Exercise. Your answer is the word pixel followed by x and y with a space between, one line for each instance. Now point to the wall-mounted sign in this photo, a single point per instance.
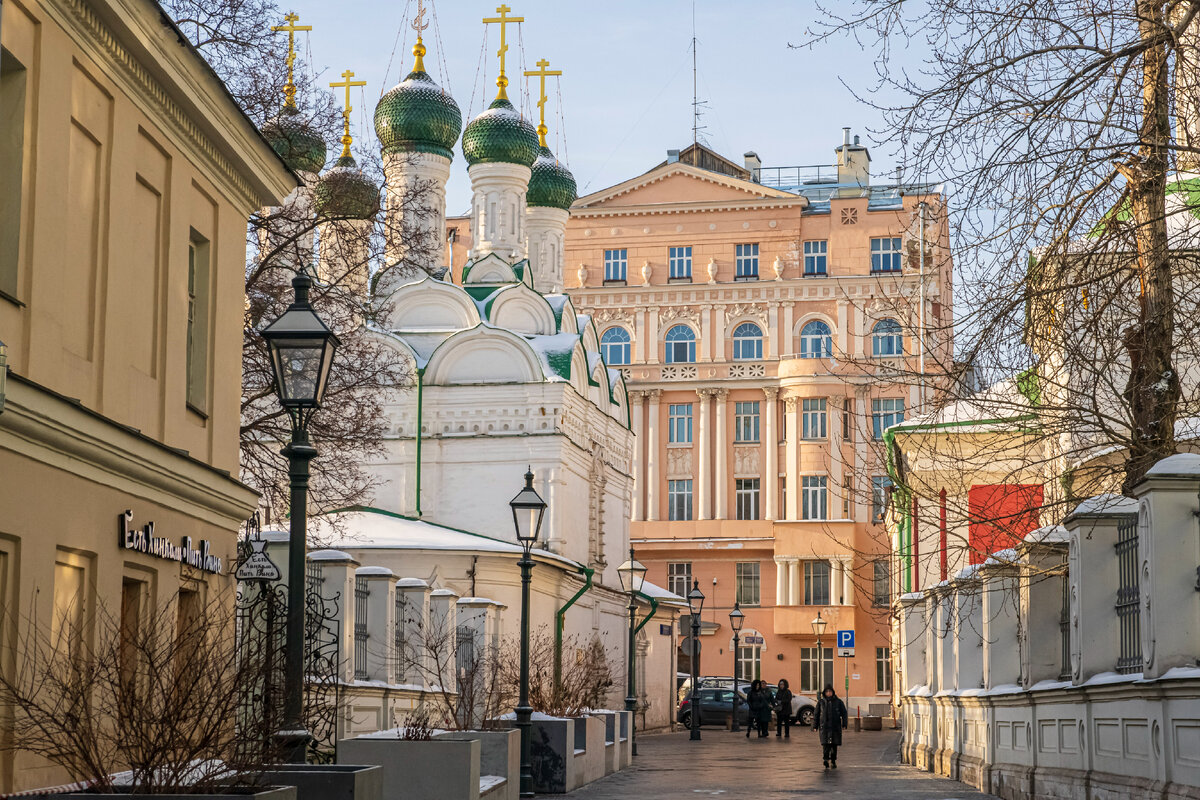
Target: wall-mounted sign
pixel 143 540
pixel 258 566
pixel 664 629
pixel 752 639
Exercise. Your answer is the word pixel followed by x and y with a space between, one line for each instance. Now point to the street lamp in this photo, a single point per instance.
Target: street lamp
pixel 528 508
pixel 695 606
pixel 818 626
pixel 633 575
pixel 302 349
pixel 736 620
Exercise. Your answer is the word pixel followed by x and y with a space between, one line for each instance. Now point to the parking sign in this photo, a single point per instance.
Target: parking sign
pixel 845 644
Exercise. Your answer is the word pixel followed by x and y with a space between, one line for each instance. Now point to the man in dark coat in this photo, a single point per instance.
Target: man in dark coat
pixel 829 720
pixel 759 702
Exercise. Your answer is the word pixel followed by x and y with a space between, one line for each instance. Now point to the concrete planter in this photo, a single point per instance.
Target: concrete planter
pixel 499 761
pixel 589 750
pixel 328 781
pixel 439 769
pixel 612 750
pixel 247 793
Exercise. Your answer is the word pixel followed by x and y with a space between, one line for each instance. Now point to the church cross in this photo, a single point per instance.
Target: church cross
pixel 503 19
pixel 289 89
pixel 347 84
pixel 542 73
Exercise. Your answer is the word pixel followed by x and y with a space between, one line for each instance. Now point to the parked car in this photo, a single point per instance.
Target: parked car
pixel 803 706
pixel 716 705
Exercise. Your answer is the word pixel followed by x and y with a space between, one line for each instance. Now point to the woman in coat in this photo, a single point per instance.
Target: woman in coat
pixel 783 710
pixel 829 720
pixel 759 703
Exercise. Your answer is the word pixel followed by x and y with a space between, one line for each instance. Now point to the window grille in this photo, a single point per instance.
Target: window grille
pixel 398 640
pixel 1064 625
pixel 1128 597
pixel 361 593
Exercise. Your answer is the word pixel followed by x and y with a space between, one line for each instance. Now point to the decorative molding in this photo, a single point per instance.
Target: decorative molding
pixel 746 461
pixel 747 370
pixel 791 403
pixel 679 462
pixel 771 392
pixel 682 373
pixel 669 314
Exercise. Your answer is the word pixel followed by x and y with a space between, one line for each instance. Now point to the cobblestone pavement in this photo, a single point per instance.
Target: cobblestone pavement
pixel 727 765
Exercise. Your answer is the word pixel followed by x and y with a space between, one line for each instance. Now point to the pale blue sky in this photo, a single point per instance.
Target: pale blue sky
pixel 627 83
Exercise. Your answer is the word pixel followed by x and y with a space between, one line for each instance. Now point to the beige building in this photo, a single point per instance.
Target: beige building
pixel 128 175
pixel 761 317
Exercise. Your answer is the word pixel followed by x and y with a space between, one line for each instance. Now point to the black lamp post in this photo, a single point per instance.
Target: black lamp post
pixel 818 626
pixel 695 606
pixel 528 509
pixel 633 576
pixel 736 619
pixel 302 349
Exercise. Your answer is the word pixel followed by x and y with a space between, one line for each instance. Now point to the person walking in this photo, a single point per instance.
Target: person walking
pixel 829 720
pixel 759 704
pixel 783 709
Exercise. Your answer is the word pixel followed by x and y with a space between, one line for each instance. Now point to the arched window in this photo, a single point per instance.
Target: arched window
pixel 681 345
pixel 886 339
pixel 614 346
pixel 747 342
pixel 816 340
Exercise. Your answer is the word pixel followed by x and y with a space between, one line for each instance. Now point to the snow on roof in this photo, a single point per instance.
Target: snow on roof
pixel 1005 557
pixel 412 583
pixel 443 593
pixel 329 555
pixel 555 352
pixel 1049 534
pixel 1186 464
pixel 968 573
pixel 423 343
pixel 659 593
pixel 480 601
pixel 380 571
pixel 1001 403
pixel 374 529
pixel 1106 504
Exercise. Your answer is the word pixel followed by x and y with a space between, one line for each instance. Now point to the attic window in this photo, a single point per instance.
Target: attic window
pixel 849 216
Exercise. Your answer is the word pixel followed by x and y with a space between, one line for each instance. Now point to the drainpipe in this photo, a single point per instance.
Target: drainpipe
pixel 653 611
pixel 559 616
pixel 420 422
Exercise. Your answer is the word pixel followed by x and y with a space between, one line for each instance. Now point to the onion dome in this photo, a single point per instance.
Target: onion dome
pixel 417 115
pixel 300 147
pixel 500 135
pixel 345 192
pixel 551 185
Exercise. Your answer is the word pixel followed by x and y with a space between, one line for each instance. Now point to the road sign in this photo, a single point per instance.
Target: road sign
pixel 845 644
pixel 690 647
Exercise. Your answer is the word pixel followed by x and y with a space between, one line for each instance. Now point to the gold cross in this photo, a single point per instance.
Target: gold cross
pixel 542 73
pixel 346 84
pixel 419 25
pixel 289 89
pixel 503 19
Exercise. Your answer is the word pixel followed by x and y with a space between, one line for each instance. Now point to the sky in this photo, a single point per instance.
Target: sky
pixel 626 88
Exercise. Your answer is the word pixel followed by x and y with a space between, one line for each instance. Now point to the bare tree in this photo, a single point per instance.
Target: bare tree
pixel 587 674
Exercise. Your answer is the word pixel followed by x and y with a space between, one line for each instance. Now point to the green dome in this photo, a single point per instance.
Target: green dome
pixel 417 116
pixel 500 135
pixel 300 147
pixel 551 184
pixel 345 192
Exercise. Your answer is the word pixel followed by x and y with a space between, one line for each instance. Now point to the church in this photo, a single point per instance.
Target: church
pixel 508 377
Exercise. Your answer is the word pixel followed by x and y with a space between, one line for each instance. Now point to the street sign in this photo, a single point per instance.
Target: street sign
pixel 845 644
pixel 690 647
pixel 664 629
pixel 749 640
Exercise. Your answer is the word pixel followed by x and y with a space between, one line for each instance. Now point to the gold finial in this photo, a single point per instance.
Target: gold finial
pixel 542 73
pixel 289 89
pixel 419 25
pixel 503 19
pixel 346 84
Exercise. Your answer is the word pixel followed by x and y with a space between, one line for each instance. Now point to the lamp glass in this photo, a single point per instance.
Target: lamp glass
pixel 302 349
pixel 737 618
pixel 633 575
pixel 695 599
pixel 528 509
pixel 818 626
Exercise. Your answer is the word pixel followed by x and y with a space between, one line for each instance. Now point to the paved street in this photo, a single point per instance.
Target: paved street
pixel 670 767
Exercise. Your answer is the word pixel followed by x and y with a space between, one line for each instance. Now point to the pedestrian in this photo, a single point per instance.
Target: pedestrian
pixel 759 704
pixel 829 720
pixel 783 709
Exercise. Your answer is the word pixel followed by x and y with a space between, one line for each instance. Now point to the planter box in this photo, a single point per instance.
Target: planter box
pixel 589 750
pixel 248 793
pixel 439 769
pixel 612 750
pixel 499 761
pixel 328 781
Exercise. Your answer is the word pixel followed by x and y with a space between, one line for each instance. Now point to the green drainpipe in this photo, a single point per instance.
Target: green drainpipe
pixel 559 617
pixel 653 611
pixel 420 422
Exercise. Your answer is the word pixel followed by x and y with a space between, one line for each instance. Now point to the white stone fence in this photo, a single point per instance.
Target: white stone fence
pixel 1067 667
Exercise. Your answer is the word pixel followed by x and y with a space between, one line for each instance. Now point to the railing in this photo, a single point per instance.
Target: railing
pixel 361 593
pixel 1064 627
pixel 1128 604
pixel 795 176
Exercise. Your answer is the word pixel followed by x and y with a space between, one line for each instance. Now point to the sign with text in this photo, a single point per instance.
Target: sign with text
pixel 664 629
pixel 258 566
pixel 143 540
pixel 845 644
pixel 752 639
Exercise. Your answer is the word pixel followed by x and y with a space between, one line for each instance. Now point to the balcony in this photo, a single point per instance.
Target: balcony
pixel 797 621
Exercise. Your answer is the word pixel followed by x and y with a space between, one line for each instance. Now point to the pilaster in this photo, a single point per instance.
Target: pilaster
pixel 652 455
pixel 771 478
pixel 721 398
pixel 704 457
pixel 791 457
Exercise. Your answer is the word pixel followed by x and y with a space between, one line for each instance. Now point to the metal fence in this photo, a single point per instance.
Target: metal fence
pixel 361 593
pixel 1064 626
pixel 1128 596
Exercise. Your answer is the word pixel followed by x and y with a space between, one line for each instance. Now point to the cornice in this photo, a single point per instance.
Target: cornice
pixel 664 171
pixel 653 209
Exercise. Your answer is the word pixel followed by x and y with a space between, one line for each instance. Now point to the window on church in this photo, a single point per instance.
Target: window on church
pixel 814 257
pixel 679 578
pixel 747 262
pixel 679 500
pixel 616 264
pixel 679 263
pixel 745 421
pixel 615 346
pixel 198 281
pixel 746 496
pixel 812 418
pixel 681 345
pixel 747 342
pixel 679 423
pixel 12 162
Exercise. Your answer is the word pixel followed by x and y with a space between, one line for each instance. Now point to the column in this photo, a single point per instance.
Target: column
pixel 722 401
pixel 650 347
pixel 847 581
pixel 704 457
pixel 771 478
pixel 795 597
pixel 843 326
pixel 791 479
pixel 835 581
pixel 706 333
pixel 781 582
pixel 786 331
pixel 652 458
pixel 837 465
pixel 639 440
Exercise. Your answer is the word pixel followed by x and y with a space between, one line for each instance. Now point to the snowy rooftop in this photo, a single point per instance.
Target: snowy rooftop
pixel 999 405
pixel 1185 464
pixel 1106 504
pixel 659 593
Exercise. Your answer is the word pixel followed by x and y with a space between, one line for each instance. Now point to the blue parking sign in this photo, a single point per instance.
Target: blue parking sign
pixel 845 639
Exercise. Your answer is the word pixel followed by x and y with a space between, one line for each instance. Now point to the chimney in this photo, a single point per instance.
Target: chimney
pixel 753 165
pixel 853 165
pixel 672 156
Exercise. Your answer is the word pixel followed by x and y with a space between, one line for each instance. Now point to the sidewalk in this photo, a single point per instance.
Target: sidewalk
pixel 670 767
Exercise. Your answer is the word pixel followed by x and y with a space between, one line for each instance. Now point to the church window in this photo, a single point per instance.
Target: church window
pixel 12 162
pixel 885 254
pixel 681 345
pixel 747 262
pixel 679 263
pixel 616 264
pixel 615 347
pixel 197 323
pixel 886 339
pixel 747 342
pixel 815 253
pixel 679 500
pixel 816 340
pixel 679 423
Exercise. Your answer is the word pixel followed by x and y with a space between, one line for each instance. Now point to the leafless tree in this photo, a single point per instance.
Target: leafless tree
pixel 587 673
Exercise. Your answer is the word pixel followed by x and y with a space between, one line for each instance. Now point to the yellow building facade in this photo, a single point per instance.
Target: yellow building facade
pixel 128 174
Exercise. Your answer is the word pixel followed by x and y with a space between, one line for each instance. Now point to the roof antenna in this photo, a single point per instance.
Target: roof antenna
pixel 696 101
